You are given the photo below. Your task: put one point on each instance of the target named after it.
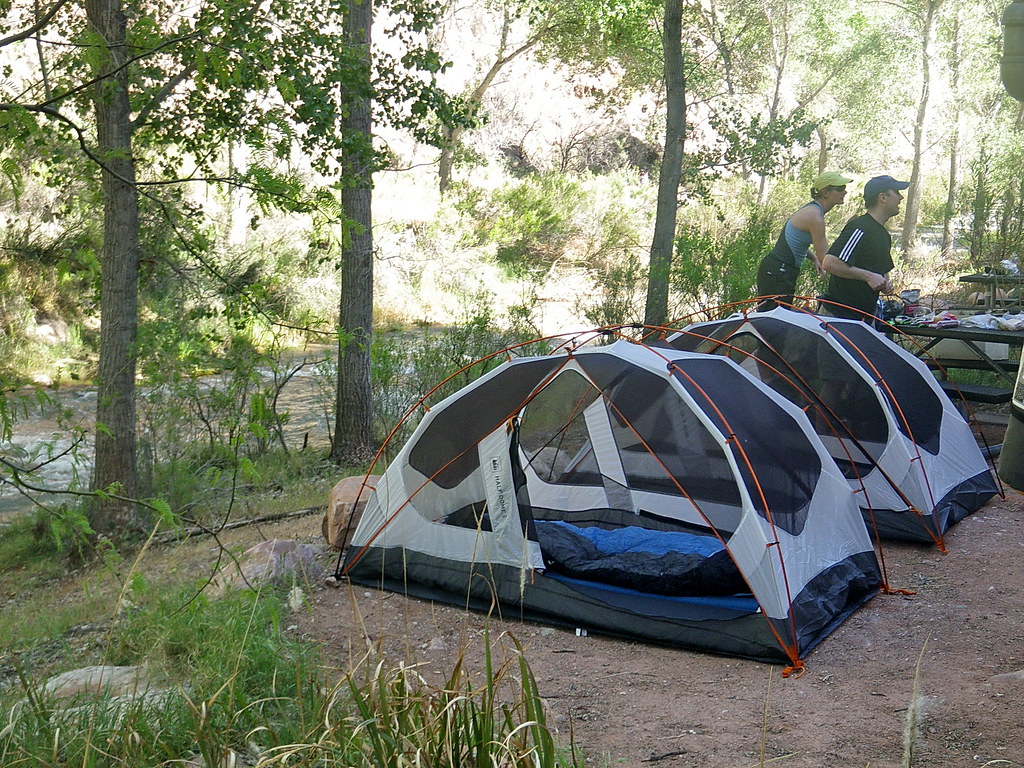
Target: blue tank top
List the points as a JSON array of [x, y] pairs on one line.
[[798, 240]]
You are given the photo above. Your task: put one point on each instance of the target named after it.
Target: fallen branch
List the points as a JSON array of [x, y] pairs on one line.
[[201, 530], [656, 758]]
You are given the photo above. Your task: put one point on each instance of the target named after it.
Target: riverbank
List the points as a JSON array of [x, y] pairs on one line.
[[46, 432]]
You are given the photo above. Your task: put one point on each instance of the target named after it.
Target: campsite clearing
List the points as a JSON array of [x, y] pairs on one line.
[[628, 703]]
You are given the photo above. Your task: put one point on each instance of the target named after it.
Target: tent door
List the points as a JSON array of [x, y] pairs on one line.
[[606, 453]]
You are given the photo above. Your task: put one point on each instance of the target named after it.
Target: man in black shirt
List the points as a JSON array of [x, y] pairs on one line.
[[860, 259]]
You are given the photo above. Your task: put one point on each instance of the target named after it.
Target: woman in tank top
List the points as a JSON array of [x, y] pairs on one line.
[[778, 272]]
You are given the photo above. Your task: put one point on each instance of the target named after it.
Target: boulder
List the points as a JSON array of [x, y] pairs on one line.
[[49, 330], [343, 509], [1017, 676], [122, 689], [98, 680], [277, 561]]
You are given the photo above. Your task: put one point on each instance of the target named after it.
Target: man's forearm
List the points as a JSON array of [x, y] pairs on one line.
[[839, 268]]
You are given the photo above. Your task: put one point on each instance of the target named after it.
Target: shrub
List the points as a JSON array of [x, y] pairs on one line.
[[716, 264]]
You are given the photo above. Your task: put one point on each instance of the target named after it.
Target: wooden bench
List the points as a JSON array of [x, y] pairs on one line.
[[978, 393], [949, 363]]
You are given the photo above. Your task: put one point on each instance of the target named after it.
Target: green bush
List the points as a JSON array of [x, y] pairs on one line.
[[407, 365], [715, 264], [993, 195], [528, 221], [619, 296]]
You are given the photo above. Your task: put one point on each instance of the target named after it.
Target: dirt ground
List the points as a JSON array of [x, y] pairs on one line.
[[939, 672], [929, 679], [953, 647]]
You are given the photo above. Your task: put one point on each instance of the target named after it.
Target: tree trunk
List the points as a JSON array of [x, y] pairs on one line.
[[822, 148], [954, 185], [353, 439], [663, 243], [953, 181], [1009, 214], [115, 463], [980, 206], [913, 207], [780, 56], [446, 161]]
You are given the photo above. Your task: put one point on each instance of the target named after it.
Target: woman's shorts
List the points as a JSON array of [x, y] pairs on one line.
[[776, 277]]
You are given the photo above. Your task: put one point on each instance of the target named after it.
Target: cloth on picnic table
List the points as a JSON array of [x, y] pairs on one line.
[[1011, 321], [940, 320]]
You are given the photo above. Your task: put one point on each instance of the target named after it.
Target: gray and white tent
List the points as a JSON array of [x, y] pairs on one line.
[[907, 451], [627, 490]]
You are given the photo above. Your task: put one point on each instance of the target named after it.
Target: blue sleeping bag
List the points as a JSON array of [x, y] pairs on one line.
[[659, 562]]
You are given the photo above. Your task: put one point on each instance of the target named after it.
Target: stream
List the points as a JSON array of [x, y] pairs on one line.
[[38, 434]]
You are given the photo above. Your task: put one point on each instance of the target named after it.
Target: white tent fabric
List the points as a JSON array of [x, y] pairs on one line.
[[615, 437], [833, 530], [869, 400]]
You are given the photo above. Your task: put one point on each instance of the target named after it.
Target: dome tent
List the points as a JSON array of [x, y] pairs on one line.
[[629, 490], [878, 409]]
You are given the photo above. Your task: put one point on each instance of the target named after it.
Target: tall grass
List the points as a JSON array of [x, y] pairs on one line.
[[30, 565], [915, 712], [239, 690], [393, 716]]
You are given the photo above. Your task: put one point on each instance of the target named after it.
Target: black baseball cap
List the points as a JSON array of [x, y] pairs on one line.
[[879, 184]]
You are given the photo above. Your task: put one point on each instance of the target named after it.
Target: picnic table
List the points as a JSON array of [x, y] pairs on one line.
[[985, 346], [992, 283], [979, 341]]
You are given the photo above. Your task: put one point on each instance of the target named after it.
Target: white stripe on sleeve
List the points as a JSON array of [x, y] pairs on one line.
[[851, 245]]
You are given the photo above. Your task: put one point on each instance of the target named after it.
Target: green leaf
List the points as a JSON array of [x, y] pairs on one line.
[[164, 512], [248, 469]]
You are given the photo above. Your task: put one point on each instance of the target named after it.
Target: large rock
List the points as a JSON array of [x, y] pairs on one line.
[[98, 680], [277, 561], [49, 330], [343, 509], [1017, 676], [122, 689]]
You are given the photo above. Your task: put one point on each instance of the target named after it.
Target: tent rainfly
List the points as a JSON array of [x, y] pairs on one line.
[[904, 447], [627, 490]]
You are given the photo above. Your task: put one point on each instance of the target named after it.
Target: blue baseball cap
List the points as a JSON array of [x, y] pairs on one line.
[[880, 184]]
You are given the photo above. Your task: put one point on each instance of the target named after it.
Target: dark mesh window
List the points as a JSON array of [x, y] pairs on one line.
[[809, 372], [785, 465], [663, 445], [456, 431], [918, 403], [553, 433], [472, 516], [699, 339]]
